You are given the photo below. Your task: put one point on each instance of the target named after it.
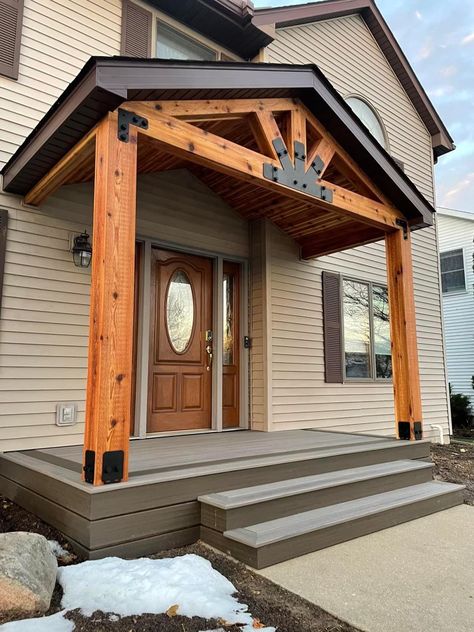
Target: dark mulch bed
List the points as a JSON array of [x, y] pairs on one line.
[[455, 463]]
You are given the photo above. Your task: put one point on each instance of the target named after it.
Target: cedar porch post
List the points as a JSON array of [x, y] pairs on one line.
[[406, 377], [109, 379]]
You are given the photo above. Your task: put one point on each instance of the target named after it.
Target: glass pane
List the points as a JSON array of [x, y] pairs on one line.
[[383, 358], [171, 44], [228, 346], [356, 330], [451, 261], [453, 281], [368, 117], [180, 311]]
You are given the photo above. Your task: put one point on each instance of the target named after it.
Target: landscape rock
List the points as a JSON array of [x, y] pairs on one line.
[[28, 570]]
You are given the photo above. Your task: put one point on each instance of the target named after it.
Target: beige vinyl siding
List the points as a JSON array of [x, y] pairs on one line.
[[45, 310], [58, 38], [347, 53]]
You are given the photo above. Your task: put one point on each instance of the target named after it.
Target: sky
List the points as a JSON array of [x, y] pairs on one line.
[[437, 36]]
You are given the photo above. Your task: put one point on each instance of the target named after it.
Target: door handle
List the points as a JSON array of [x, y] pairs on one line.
[[209, 357]]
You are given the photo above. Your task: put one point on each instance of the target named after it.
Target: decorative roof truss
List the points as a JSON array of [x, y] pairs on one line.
[[267, 157]]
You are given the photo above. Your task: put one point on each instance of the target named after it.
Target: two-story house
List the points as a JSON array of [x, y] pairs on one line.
[[254, 190], [456, 248]]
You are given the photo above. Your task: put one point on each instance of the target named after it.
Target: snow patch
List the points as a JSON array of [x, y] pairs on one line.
[[57, 549], [134, 587], [54, 623]]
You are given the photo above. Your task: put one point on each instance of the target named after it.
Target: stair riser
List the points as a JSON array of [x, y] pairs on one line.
[[225, 520], [323, 538]]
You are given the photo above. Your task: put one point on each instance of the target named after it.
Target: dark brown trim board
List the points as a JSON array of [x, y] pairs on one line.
[[367, 9], [104, 83]]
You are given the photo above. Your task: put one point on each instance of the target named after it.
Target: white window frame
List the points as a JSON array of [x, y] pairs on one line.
[[459, 291]]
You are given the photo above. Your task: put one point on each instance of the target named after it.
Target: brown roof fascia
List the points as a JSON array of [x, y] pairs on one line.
[[312, 12]]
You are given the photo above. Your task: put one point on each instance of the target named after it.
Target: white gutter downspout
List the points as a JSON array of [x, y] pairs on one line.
[[439, 428]]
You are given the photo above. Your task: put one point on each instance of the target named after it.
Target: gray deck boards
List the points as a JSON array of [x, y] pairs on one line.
[[158, 506], [266, 533], [271, 491]]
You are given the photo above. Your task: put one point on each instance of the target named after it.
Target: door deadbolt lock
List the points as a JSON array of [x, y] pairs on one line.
[[209, 335]]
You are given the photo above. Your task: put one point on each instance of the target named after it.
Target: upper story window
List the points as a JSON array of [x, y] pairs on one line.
[[171, 44], [452, 271], [147, 32], [366, 326], [369, 118]]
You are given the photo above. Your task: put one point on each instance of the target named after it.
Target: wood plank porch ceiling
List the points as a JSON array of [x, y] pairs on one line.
[[319, 228]]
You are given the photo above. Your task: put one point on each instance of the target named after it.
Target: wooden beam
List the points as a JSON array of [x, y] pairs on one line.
[[200, 146], [366, 209], [294, 129], [325, 149], [347, 159], [406, 377], [265, 130], [215, 107], [71, 163], [110, 360]]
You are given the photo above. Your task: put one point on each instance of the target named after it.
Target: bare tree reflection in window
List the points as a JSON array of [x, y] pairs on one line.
[[228, 342], [381, 326], [357, 348], [180, 311]]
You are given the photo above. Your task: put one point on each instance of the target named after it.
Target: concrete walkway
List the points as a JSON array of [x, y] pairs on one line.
[[416, 577]]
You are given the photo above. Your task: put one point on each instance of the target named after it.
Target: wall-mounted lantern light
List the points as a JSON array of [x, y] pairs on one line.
[[82, 250]]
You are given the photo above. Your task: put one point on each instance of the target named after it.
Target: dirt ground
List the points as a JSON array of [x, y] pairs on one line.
[[268, 603], [455, 463]]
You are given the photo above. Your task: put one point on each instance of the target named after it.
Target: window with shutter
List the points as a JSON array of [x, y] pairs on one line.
[[136, 30], [11, 17], [3, 246], [332, 327]]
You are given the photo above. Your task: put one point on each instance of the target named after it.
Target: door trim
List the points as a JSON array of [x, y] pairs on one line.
[[143, 340]]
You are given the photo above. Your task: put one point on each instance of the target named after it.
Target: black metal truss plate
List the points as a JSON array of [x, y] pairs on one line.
[[89, 466], [112, 466], [125, 119], [295, 175]]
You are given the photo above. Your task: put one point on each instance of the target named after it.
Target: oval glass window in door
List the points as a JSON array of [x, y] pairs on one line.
[[180, 311]]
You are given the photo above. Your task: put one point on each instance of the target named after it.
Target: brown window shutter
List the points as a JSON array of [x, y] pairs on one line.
[[3, 246], [11, 17], [136, 30], [332, 327]]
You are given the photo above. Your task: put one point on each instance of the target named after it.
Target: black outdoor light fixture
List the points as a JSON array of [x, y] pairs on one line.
[[82, 250]]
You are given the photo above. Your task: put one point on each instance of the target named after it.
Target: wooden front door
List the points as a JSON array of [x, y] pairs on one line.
[[180, 380]]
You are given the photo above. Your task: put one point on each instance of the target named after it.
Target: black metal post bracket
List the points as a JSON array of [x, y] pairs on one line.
[[125, 119]]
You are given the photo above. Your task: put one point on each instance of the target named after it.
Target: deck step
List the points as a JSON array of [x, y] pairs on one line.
[[269, 542], [241, 507]]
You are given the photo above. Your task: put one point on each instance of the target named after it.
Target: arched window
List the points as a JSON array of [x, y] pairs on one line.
[[369, 118]]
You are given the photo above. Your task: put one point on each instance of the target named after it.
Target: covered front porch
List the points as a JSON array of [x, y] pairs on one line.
[[278, 146]]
